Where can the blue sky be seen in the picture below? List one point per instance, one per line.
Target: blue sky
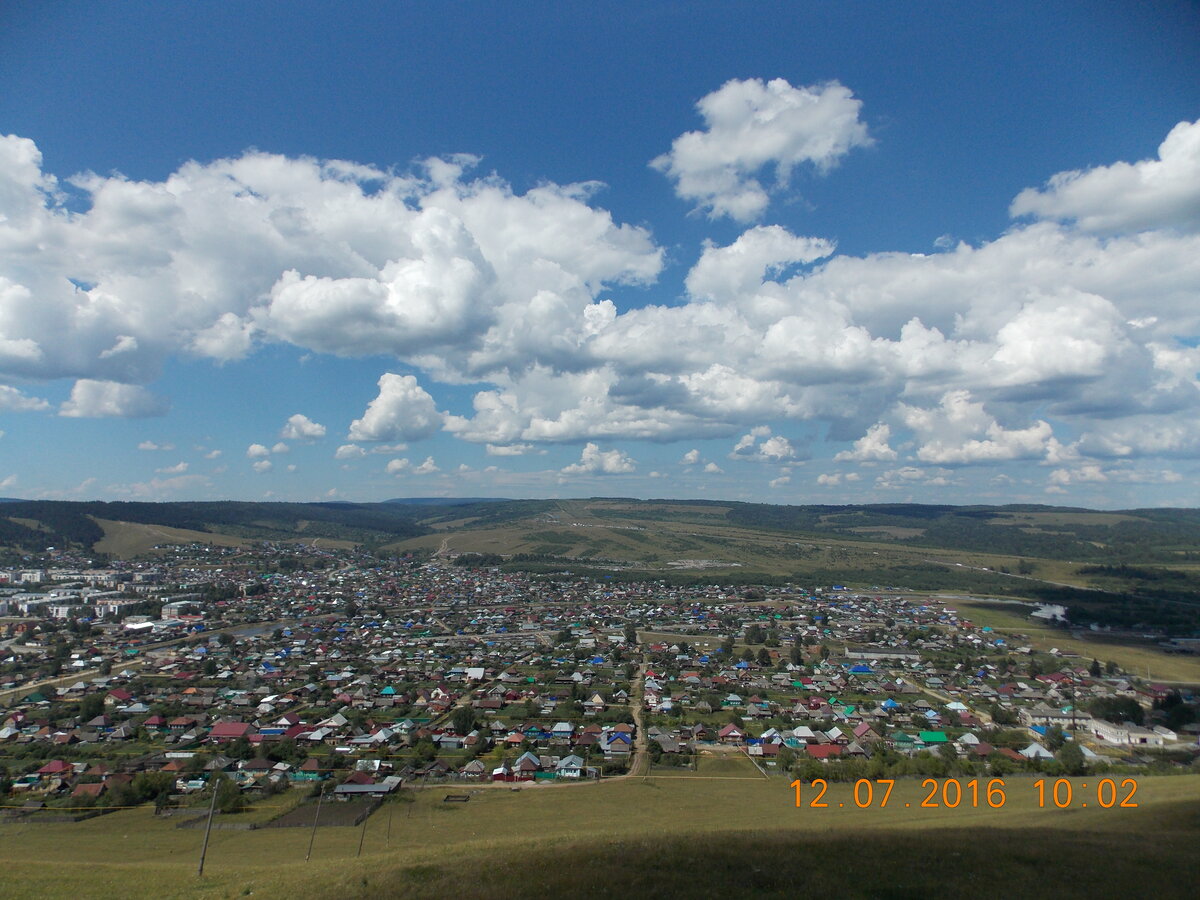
(840, 253)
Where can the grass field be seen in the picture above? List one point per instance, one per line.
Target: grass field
(1144, 661)
(667, 836)
(130, 539)
(126, 539)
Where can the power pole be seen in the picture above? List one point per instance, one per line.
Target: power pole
(317, 818)
(212, 807)
(362, 835)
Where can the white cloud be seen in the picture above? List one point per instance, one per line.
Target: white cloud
(301, 428)
(262, 465)
(257, 451)
(280, 447)
(960, 431)
(12, 400)
(1153, 193)
(594, 461)
(213, 454)
(428, 467)
(753, 124)
(781, 481)
(151, 445)
(1059, 326)
(155, 488)
(872, 446)
(108, 399)
(734, 274)
(178, 469)
(830, 480)
(396, 466)
(349, 451)
(771, 448)
(223, 256)
(690, 458)
(8, 482)
(713, 469)
(509, 449)
(403, 410)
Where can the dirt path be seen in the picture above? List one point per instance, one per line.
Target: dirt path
(640, 764)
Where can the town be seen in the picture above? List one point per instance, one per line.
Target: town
(273, 666)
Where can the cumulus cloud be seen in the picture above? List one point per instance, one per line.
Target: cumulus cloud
(509, 449)
(428, 467)
(155, 488)
(871, 447)
(262, 465)
(349, 451)
(1152, 193)
(594, 461)
(752, 124)
(1078, 321)
(759, 445)
(959, 431)
(301, 428)
(108, 399)
(223, 256)
(151, 445)
(403, 410)
(12, 400)
(690, 458)
(713, 469)
(178, 469)
(257, 451)
(396, 466)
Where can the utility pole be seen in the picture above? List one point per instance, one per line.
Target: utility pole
(363, 834)
(212, 807)
(317, 818)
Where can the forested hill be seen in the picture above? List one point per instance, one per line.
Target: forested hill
(36, 524)
(1166, 535)
(1106, 538)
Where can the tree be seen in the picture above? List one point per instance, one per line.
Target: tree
(91, 706)
(229, 796)
(1094, 668)
(463, 720)
(764, 657)
(785, 758)
(1117, 709)
(1055, 738)
(824, 651)
(1070, 757)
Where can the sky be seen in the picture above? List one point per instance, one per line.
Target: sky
(797, 253)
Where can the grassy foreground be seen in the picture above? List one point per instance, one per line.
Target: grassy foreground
(634, 837)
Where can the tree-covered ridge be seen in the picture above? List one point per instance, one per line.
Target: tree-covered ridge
(68, 522)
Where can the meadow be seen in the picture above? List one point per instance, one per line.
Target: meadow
(678, 836)
(1143, 660)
